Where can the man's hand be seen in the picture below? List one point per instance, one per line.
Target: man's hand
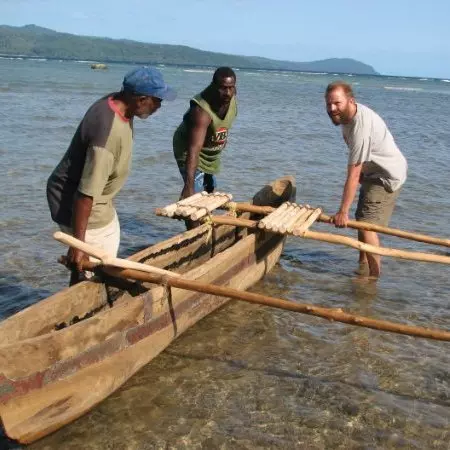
(187, 192)
(341, 219)
(75, 259)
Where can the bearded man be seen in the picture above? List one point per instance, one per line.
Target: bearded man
(374, 160)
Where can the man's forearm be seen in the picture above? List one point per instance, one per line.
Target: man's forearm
(191, 166)
(81, 211)
(350, 187)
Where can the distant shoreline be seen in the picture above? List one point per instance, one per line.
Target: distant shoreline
(158, 63)
(204, 66)
(33, 41)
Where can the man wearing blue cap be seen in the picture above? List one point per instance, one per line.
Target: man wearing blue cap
(81, 189)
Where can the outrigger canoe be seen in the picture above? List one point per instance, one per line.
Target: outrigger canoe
(99, 333)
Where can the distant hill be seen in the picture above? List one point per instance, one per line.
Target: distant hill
(34, 41)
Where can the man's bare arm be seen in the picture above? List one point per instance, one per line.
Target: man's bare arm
(350, 188)
(82, 208)
(200, 123)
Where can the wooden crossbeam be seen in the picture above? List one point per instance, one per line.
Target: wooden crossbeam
(196, 206)
(290, 218)
(294, 219)
(357, 225)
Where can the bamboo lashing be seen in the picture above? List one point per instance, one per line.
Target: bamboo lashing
(191, 207)
(218, 199)
(170, 209)
(196, 206)
(291, 212)
(332, 314)
(276, 226)
(290, 218)
(182, 210)
(270, 219)
(289, 225)
(357, 225)
(301, 219)
(300, 229)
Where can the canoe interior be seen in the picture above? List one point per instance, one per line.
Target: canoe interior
(179, 254)
(102, 332)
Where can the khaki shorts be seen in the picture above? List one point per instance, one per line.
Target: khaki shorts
(375, 204)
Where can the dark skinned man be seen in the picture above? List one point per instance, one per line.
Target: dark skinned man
(81, 189)
(201, 137)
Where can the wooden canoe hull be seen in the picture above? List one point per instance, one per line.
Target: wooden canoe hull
(43, 377)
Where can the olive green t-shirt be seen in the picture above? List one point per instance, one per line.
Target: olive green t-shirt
(215, 140)
(96, 164)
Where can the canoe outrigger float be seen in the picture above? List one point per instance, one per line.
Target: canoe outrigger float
(99, 333)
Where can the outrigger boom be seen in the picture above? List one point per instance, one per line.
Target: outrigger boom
(294, 219)
(145, 273)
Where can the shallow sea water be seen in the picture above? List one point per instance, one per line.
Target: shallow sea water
(249, 376)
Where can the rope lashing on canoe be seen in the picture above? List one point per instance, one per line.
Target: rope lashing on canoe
(232, 208)
(165, 285)
(208, 221)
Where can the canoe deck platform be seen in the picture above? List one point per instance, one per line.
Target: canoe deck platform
(288, 218)
(296, 220)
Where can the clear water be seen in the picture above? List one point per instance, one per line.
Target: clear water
(250, 376)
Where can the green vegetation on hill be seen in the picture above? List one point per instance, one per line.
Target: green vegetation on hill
(34, 41)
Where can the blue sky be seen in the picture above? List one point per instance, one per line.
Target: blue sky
(396, 37)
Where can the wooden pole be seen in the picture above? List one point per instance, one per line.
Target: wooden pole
(247, 207)
(383, 251)
(234, 221)
(343, 240)
(332, 314)
(106, 258)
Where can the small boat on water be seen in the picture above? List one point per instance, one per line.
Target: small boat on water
(65, 354)
(99, 66)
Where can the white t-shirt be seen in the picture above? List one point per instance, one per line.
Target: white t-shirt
(371, 143)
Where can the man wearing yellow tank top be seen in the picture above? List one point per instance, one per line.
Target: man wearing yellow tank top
(202, 135)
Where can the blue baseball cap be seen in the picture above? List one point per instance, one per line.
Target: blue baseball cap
(148, 81)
